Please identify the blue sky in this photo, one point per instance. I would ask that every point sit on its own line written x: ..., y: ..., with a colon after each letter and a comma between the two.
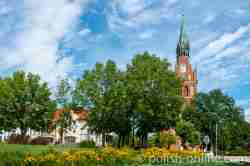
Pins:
x: 58, y: 38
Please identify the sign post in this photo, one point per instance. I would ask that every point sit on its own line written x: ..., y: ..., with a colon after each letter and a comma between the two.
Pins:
x: 206, y: 140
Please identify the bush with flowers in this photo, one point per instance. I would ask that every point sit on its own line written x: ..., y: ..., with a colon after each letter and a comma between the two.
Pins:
x: 105, y: 156
x: 164, y: 152
x: 108, y: 156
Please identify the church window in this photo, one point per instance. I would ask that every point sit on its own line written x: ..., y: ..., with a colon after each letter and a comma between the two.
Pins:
x: 186, y: 91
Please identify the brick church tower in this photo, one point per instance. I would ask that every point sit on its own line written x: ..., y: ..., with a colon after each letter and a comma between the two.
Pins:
x: 183, y: 67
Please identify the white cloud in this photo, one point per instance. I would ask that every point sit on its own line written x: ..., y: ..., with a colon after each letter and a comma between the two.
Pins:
x: 130, y: 7
x: 135, y: 13
x: 147, y: 34
x: 209, y: 18
x: 36, y: 47
x: 218, y: 45
x: 84, y: 32
x: 240, y: 11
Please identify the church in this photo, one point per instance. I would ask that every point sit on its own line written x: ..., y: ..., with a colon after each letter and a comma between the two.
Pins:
x: 183, y: 68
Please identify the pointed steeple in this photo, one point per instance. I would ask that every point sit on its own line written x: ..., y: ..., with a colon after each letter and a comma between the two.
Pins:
x: 183, y: 43
x: 183, y: 34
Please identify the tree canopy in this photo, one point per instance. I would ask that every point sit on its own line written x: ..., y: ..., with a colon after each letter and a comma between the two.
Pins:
x: 25, y: 102
x: 143, y: 98
x: 216, y: 108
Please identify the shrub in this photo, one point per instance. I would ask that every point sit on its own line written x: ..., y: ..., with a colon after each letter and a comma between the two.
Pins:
x: 18, y: 139
x: 87, y: 144
x: 42, y: 141
x: 2, y: 143
x: 167, y: 139
x: 162, y: 139
x: 187, y: 132
x: 240, y: 152
x: 86, y: 157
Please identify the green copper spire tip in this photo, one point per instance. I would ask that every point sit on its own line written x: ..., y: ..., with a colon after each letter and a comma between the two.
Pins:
x: 183, y: 43
x: 183, y: 34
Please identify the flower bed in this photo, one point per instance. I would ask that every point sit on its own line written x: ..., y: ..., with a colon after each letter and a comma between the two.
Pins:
x: 91, y: 157
x: 106, y: 156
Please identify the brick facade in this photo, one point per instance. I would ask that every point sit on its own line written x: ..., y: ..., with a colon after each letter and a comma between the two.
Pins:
x: 183, y: 68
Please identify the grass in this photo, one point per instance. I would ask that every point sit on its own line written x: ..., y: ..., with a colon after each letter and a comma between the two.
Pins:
x: 34, y: 149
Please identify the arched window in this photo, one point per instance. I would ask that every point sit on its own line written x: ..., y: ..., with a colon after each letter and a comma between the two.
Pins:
x: 186, y: 91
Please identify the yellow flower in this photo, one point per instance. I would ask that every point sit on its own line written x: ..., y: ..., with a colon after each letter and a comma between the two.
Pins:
x: 50, y: 157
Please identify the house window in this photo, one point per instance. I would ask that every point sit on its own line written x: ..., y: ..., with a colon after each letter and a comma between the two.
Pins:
x: 70, y: 139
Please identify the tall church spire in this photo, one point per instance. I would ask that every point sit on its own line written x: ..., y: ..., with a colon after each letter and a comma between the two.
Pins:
x: 183, y: 67
x: 183, y: 47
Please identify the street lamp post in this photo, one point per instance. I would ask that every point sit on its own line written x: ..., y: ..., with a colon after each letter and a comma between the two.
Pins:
x: 216, y: 139
x: 216, y: 132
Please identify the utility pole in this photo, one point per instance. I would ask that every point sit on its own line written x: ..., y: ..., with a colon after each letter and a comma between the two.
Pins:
x: 216, y: 139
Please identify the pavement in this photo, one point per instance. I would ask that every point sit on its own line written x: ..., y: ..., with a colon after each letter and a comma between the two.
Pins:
x: 245, y: 159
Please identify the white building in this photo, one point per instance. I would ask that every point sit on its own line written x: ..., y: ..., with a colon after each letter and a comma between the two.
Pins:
x: 78, y: 131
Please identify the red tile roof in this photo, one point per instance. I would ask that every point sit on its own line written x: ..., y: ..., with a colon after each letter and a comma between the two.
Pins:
x: 82, y: 114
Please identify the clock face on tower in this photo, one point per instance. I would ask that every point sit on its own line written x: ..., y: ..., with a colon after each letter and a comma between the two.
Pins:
x: 183, y: 68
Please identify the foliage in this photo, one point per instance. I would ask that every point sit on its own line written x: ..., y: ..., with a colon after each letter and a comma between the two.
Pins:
x: 18, y: 139
x: 87, y: 144
x: 167, y: 139
x: 164, y: 152
x: 63, y: 93
x: 106, y: 156
x: 25, y: 102
x: 144, y: 98
x: 48, y: 155
x: 103, y: 89
x: 187, y: 132
x: 162, y: 139
x: 154, y: 94
x: 216, y: 108
x: 41, y: 141
x: 63, y: 100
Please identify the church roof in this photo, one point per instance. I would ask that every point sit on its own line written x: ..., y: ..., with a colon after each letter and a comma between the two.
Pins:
x: 183, y: 43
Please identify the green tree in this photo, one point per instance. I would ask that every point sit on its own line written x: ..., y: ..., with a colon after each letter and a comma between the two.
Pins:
x: 63, y: 94
x: 154, y: 92
x: 216, y: 108
x: 144, y: 98
x: 63, y: 98
x: 102, y: 90
x: 187, y: 132
x: 162, y: 139
x: 25, y: 103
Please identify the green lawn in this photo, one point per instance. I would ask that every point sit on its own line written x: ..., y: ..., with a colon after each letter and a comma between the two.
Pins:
x: 34, y: 149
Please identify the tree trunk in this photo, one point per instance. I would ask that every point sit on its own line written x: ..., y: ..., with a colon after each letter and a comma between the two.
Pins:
x: 122, y: 140
x: 133, y: 137
x: 119, y: 141
x: 127, y: 139
x: 61, y: 135
x: 146, y: 140
x: 23, y: 132
x: 103, y: 139
x: 23, y: 138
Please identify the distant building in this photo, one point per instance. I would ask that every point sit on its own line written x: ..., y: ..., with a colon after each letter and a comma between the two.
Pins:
x: 183, y: 67
x: 78, y: 131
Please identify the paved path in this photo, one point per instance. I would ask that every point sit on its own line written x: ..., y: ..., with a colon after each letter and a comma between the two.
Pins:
x: 236, y: 158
